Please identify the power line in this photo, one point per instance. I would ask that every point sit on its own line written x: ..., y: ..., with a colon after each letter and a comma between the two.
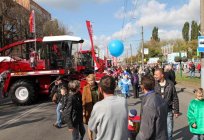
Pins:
x: 134, y: 9
x: 124, y: 16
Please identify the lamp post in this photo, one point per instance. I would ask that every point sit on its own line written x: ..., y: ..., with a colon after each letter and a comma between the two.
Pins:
x: 180, y: 64
x: 142, y: 50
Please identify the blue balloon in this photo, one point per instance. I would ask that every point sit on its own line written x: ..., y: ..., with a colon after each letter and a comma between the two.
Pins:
x: 116, y: 48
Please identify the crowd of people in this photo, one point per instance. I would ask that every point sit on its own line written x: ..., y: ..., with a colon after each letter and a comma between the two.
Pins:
x: 105, y: 111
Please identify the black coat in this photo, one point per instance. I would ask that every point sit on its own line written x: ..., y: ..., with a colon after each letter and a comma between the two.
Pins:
x: 73, y: 113
x: 56, y: 89
x: 171, y: 76
x: 170, y: 95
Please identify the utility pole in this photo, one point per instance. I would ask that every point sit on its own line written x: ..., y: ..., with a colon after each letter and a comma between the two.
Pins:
x: 1, y: 24
x: 142, y: 50
x: 202, y: 33
x: 131, y: 53
x: 127, y: 57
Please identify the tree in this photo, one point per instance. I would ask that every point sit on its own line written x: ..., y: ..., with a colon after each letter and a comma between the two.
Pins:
x: 14, y: 23
x: 5, y: 8
x: 155, y: 35
x: 185, y: 31
x: 194, y: 30
x: 53, y: 27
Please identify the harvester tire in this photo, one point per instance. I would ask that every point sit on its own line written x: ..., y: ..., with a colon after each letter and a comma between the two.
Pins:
x: 23, y: 92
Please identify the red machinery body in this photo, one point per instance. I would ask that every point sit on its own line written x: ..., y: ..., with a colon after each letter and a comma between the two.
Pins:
x: 27, y: 70
x: 86, y: 62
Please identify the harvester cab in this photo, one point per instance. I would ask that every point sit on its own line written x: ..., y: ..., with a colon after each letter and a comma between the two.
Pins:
x: 29, y: 67
x: 85, y: 63
x: 58, y: 52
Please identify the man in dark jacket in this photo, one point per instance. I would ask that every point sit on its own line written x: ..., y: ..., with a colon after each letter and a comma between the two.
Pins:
x: 169, y: 73
x: 167, y: 90
x: 73, y: 112
x: 135, y: 83
x: 153, y: 113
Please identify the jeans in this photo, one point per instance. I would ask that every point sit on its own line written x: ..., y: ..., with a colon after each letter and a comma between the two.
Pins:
x: 170, y: 122
x: 197, y: 137
x: 59, y: 115
x: 79, y: 129
x: 125, y: 95
x: 192, y: 73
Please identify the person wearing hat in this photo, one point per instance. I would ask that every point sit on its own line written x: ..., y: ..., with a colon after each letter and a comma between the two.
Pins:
x: 133, y: 124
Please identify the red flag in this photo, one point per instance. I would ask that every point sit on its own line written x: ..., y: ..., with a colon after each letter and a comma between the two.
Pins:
x: 89, y: 27
x: 32, y: 22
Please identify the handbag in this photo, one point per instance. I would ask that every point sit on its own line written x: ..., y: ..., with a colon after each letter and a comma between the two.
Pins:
x: 54, y: 98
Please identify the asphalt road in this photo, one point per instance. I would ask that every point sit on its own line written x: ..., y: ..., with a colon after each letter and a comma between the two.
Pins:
x: 35, y: 122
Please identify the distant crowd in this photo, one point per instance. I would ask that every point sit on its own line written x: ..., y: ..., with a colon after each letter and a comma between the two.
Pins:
x: 105, y: 110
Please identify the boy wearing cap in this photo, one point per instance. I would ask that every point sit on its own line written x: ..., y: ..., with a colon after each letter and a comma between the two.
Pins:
x: 133, y: 124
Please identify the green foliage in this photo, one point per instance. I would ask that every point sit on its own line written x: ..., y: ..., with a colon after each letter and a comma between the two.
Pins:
x: 185, y: 31
x: 179, y: 45
x: 177, y: 59
x: 184, y: 59
x: 194, y: 30
x: 180, y: 59
x: 190, y: 47
x: 155, y: 35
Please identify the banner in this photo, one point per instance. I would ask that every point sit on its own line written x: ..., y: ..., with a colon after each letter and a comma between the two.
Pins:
x: 90, y: 31
x: 32, y: 22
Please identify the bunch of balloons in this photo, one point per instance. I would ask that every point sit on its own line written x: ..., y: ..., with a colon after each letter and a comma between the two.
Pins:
x: 116, y: 48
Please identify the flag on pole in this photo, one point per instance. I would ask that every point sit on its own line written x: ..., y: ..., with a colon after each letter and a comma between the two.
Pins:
x: 89, y: 27
x: 32, y: 22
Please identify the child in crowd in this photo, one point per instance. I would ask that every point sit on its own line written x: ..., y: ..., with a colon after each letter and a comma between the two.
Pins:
x: 57, y: 98
x: 195, y: 114
x: 64, y: 93
x: 73, y: 111
x: 124, y: 84
x: 133, y: 124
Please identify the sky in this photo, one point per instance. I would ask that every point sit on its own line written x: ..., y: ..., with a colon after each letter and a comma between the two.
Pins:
x: 123, y: 19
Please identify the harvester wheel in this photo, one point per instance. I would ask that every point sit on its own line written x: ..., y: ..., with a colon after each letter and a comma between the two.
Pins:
x: 22, y: 92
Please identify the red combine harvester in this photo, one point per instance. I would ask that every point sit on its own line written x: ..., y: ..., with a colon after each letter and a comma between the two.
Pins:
x: 27, y: 71
x: 86, y: 63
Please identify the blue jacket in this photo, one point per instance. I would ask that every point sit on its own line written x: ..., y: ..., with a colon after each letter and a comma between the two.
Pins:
x: 124, y: 85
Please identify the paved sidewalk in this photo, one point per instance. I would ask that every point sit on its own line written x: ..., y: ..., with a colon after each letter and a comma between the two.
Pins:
x: 184, y: 88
